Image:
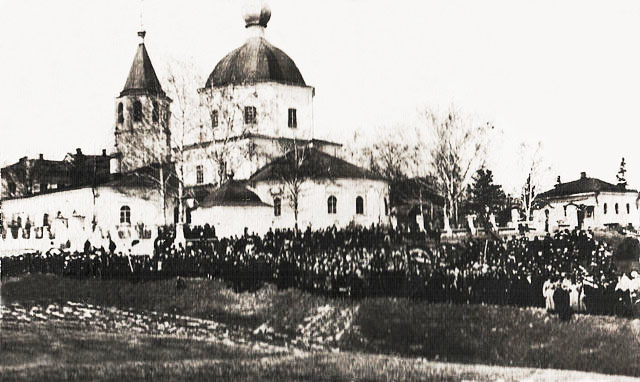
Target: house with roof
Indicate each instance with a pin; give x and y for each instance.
(586, 203)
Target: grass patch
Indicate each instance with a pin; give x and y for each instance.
(471, 334)
(496, 335)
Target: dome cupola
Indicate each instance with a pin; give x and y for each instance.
(257, 60)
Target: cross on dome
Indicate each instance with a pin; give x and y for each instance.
(256, 13)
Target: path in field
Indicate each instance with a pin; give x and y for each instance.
(113, 320)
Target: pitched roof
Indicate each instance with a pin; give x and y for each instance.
(142, 77)
(315, 165)
(581, 186)
(232, 193)
(255, 61)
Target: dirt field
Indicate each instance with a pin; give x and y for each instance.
(61, 329)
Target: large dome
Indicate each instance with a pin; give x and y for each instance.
(255, 61)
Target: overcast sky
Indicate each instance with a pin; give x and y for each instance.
(566, 73)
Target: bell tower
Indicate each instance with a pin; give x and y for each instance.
(142, 115)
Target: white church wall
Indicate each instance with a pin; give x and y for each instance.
(272, 102)
(231, 220)
(71, 214)
(313, 202)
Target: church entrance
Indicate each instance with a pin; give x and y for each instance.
(580, 212)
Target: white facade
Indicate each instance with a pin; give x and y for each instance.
(314, 202)
(593, 210)
(71, 213)
(271, 101)
(232, 220)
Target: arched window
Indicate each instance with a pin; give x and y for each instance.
(137, 111)
(332, 204)
(628, 208)
(617, 209)
(45, 220)
(386, 207)
(199, 174)
(155, 114)
(120, 113)
(277, 207)
(125, 215)
(359, 205)
(605, 208)
(214, 118)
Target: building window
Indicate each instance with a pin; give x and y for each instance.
(45, 220)
(565, 211)
(12, 188)
(293, 119)
(137, 111)
(36, 188)
(120, 113)
(332, 203)
(605, 208)
(386, 207)
(277, 207)
(199, 174)
(628, 208)
(155, 115)
(359, 205)
(249, 115)
(616, 207)
(125, 215)
(214, 118)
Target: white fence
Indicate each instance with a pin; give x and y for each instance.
(126, 237)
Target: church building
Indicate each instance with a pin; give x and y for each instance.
(255, 158)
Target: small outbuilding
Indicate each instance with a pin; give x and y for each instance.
(232, 208)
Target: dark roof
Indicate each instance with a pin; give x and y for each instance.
(146, 177)
(232, 193)
(581, 186)
(142, 78)
(315, 165)
(255, 61)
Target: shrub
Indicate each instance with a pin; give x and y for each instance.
(628, 249)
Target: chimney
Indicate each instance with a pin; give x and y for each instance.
(78, 151)
(583, 175)
(104, 152)
(41, 156)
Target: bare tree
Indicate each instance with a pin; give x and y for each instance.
(227, 126)
(532, 162)
(457, 148)
(182, 79)
(389, 154)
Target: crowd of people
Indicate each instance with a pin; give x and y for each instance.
(358, 262)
